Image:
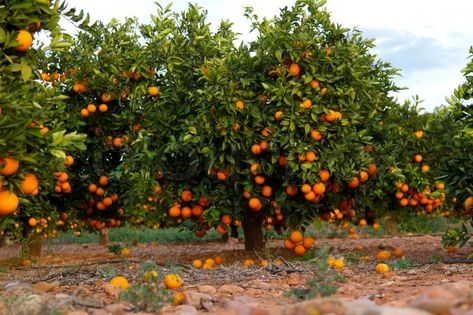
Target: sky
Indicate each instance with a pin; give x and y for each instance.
(427, 39)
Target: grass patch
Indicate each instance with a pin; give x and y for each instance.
(140, 235)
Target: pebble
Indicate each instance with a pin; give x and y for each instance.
(208, 289)
(230, 289)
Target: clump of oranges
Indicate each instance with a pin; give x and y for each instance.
(208, 263)
(298, 243)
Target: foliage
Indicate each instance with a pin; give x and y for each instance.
(29, 131)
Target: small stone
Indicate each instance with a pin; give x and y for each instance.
(117, 308)
(77, 313)
(388, 310)
(61, 296)
(207, 289)
(181, 310)
(357, 307)
(42, 287)
(294, 279)
(100, 312)
(435, 305)
(389, 275)
(111, 290)
(197, 299)
(230, 289)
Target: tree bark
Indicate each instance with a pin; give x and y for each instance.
(103, 233)
(252, 229)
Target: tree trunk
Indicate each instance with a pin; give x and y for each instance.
(103, 233)
(234, 231)
(31, 243)
(3, 241)
(31, 246)
(252, 230)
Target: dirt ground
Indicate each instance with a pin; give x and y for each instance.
(70, 278)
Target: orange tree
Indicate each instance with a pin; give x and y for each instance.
(284, 123)
(32, 144)
(414, 167)
(106, 78)
(458, 167)
(165, 165)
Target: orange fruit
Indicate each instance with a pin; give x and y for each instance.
(84, 113)
(256, 149)
(259, 180)
(186, 212)
(404, 202)
(382, 268)
(397, 252)
(451, 249)
(24, 40)
(440, 186)
(218, 260)
(354, 182)
(425, 168)
(310, 196)
(255, 204)
(324, 175)
(8, 166)
(299, 250)
(186, 196)
(264, 145)
(107, 201)
(363, 176)
(383, 255)
(254, 168)
(92, 188)
(294, 69)
(69, 161)
(306, 104)
(197, 263)
(210, 262)
(29, 184)
(103, 108)
(308, 242)
(266, 191)
(338, 264)
(119, 281)
(296, 237)
(419, 134)
(103, 180)
(305, 188)
(316, 135)
(319, 188)
(150, 275)
(468, 203)
(314, 84)
(311, 156)
(197, 211)
(248, 262)
(153, 91)
(323, 91)
(178, 298)
(203, 202)
(278, 115)
(117, 142)
(372, 169)
(362, 222)
(291, 190)
(91, 108)
(239, 104)
(226, 219)
(8, 202)
(174, 212)
(32, 222)
(106, 97)
(418, 158)
(221, 230)
(288, 244)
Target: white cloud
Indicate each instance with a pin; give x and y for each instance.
(445, 27)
